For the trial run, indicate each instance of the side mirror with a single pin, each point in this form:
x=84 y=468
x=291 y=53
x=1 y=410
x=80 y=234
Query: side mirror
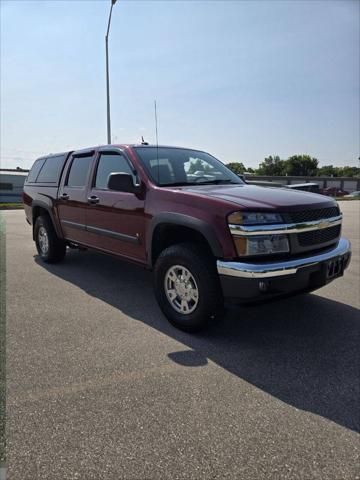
x=121 y=182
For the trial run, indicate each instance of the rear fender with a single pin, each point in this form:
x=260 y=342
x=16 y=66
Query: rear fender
x=48 y=206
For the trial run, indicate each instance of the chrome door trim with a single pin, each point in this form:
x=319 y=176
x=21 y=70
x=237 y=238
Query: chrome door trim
x=111 y=234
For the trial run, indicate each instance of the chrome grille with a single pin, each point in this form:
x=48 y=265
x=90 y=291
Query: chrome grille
x=315 y=237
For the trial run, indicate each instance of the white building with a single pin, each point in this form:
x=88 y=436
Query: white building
x=11 y=184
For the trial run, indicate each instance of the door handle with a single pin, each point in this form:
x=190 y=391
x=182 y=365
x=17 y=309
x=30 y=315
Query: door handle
x=64 y=196
x=93 y=199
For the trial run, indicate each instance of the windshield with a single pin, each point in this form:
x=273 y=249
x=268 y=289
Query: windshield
x=176 y=166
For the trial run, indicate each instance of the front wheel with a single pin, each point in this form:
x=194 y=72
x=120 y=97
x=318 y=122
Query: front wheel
x=187 y=286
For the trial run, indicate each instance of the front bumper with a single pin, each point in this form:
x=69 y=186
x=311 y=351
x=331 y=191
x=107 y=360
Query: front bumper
x=249 y=281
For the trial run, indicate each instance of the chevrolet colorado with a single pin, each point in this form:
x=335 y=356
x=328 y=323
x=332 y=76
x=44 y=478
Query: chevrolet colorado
x=182 y=213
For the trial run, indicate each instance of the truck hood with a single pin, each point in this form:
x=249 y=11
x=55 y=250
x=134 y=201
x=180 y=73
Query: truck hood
x=264 y=198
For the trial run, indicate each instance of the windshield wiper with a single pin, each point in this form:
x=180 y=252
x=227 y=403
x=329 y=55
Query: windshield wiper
x=218 y=182
x=178 y=184
x=207 y=182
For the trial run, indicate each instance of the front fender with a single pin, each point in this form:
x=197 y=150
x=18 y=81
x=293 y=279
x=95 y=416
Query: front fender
x=179 y=219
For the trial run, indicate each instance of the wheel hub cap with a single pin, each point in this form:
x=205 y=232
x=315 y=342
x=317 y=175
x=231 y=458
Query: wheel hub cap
x=43 y=240
x=181 y=289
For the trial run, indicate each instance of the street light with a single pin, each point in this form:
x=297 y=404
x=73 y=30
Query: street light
x=107 y=75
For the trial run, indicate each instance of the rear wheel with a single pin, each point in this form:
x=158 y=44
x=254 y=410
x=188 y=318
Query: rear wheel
x=187 y=286
x=49 y=246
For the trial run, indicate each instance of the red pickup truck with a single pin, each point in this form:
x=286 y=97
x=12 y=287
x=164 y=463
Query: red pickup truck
x=182 y=213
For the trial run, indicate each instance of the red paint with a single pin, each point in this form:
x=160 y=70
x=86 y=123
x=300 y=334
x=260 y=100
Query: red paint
x=131 y=214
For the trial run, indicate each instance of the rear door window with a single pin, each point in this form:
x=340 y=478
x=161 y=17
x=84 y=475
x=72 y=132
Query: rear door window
x=50 y=172
x=79 y=170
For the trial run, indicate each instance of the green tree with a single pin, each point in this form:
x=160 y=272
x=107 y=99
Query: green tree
x=327 y=171
x=272 y=166
x=237 y=167
x=348 y=171
x=196 y=165
x=301 y=165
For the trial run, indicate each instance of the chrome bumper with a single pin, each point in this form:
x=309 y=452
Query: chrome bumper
x=277 y=269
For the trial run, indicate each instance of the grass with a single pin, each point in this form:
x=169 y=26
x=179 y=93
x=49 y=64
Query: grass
x=10 y=206
x=2 y=344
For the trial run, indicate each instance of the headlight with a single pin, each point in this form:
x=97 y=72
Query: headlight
x=261 y=244
x=250 y=218
x=255 y=244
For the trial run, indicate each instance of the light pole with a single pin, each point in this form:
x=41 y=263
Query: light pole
x=107 y=75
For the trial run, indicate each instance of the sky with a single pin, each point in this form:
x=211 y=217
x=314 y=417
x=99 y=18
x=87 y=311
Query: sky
x=239 y=79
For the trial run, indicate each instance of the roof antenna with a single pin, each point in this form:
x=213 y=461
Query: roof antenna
x=157 y=141
x=143 y=141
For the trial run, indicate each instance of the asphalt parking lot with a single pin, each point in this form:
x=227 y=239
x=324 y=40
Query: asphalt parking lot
x=100 y=386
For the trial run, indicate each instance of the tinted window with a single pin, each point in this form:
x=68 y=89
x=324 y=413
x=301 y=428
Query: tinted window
x=110 y=163
x=78 y=171
x=50 y=172
x=6 y=186
x=35 y=169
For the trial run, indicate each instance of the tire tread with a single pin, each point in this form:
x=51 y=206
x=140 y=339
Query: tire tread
x=203 y=267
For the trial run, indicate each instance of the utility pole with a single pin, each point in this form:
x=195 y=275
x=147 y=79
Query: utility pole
x=107 y=75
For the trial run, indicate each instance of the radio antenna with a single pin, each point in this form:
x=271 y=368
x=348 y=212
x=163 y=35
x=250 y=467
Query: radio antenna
x=157 y=141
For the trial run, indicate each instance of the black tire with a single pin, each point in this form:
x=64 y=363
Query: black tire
x=56 y=248
x=209 y=296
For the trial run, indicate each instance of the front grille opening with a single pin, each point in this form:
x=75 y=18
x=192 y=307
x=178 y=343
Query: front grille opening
x=315 y=237
x=312 y=215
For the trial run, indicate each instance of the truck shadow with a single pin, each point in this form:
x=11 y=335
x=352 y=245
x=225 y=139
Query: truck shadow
x=302 y=350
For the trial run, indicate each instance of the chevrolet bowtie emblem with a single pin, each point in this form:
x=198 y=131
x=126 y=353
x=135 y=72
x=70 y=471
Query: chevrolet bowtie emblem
x=323 y=225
